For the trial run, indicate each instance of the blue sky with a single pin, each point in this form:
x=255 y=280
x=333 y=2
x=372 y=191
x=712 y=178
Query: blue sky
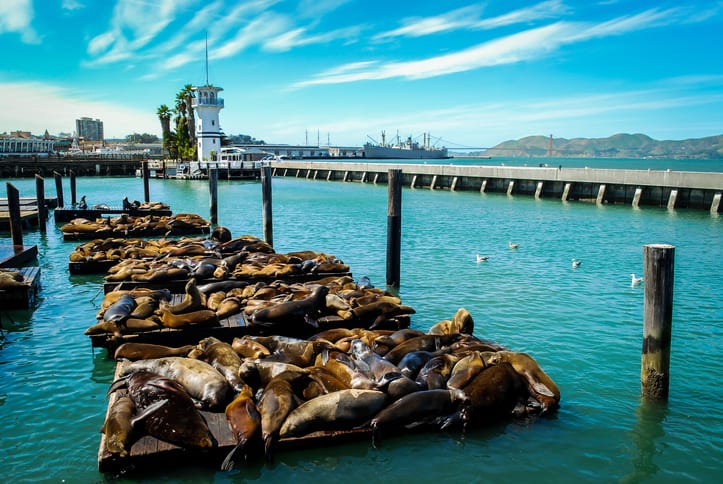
x=472 y=74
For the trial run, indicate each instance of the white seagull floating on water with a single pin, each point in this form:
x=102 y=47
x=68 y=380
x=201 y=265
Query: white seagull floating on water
x=635 y=280
x=576 y=263
x=513 y=246
x=482 y=258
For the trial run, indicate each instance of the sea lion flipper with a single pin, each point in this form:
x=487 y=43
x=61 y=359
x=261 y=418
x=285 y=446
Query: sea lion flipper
x=542 y=389
x=148 y=411
x=121 y=382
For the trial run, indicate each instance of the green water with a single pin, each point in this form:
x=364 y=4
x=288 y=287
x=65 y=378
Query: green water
x=583 y=326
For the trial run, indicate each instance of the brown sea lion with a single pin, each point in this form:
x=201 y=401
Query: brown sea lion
x=461 y=322
x=228 y=307
x=147 y=351
x=130 y=325
x=465 y=369
x=245 y=421
x=259 y=373
x=334 y=411
x=249 y=348
x=192 y=300
x=417 y=408
x=118 y=427
x=383 y=371
x=494 y=393
x=539 y=384
x=277 y=401
x=202 y=381
x=389 y=341
x=222 y=357
x=427 y=342
x=293 y=313
x=378 y=312
x=202 y=317
x=167 y=412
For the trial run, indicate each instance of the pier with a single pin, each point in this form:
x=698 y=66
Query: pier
x=671 y=189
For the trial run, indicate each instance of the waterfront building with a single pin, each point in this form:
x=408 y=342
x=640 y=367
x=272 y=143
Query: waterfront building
x=24 y=146
x=89 y=129
x=208 y=131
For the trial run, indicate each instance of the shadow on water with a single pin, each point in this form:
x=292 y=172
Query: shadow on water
x=646 y=437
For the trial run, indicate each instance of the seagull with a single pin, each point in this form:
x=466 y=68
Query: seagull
x=482 y=258
x=513 y=246
x=576 y=263
x=635 y=281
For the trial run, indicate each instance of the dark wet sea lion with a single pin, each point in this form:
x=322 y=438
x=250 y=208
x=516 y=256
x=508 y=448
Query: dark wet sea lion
x=427 y=342
x=226 y=285
x=377 y=312
x=383 y=371
x=118 y=427
x=202 y=381
x=245 y=421
x=494 y=393
x=259 y=373
x=167 y=412
x=539 y=384
x=398 y=337
x=293 y=313
x=121 y=309
x=417 y=408
x=222 y=234
x=334 y=411
x=146 y=351
x=435 y=373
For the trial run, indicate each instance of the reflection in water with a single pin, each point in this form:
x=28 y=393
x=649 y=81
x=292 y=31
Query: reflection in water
x=648 y=431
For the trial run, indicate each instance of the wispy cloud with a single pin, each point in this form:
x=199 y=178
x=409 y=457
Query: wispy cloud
x=470 y=18
x=71 y=5
x=16 y=17
x=523 y=46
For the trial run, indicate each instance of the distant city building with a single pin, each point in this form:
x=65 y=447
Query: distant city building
x=89 y=129
x=24 y=145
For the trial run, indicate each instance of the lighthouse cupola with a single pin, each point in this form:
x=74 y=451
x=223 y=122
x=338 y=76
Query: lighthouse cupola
x=208 y=132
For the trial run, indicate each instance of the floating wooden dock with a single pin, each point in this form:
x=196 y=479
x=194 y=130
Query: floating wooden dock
x=671 y=189
x=66 y=214
x=22 y=297
x=200 y=230
x=16 y=255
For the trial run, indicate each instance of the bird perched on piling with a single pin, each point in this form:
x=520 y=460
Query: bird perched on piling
x=576 y=263
x=635 y=281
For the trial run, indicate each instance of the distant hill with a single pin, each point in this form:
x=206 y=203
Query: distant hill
x=616 y=146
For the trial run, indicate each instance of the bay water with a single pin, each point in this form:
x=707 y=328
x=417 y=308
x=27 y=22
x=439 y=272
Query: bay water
x=583 y=326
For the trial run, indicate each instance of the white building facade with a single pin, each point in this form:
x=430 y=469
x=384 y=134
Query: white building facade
x=208 y=131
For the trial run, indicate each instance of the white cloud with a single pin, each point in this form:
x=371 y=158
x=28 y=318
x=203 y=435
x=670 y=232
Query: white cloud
x=56 y=109
x=16 y=16
x=71 y=5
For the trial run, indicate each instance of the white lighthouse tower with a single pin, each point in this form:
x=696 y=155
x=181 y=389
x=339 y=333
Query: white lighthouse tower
x=208 y=132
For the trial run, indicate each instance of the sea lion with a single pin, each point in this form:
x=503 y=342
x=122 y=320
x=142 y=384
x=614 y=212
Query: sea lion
x=334 y=411
x=167 y=412
x=436 y=371
x=228 y=307
x=417 y=408
x=121 y=309
x=378 y=312
x=382 y=344
x=222 y=357
x=465 y=369
x=277 y=401
x=245 y=421
x=259 y=372
x=461 y=322
x=130 y=325
x=192 y=300
x=344 y=370
x=201 y=317
x=293 y=313
x=383 y=371
x=539 y=384
x=427 y=342
x=147 y=351
x=249 y=348
x=221 y=234
x=12 y=279
x=201 y=380
x=494 y=393
x=118 y=427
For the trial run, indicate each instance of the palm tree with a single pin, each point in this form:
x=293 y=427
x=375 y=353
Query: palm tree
x=164 y=115
x=187 y=92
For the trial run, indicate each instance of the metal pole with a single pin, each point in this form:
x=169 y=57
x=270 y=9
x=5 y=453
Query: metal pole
x=658 y=276
x=394 y=227
x=267 y=206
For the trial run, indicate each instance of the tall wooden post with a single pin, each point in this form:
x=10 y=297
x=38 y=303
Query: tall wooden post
x=72 y=188
x=267 y=206
x=146 y=176
x=213 y=192
x=59 y=188
x=394 y=227
x=16 y=223
x=658 y=265
x=42 y=209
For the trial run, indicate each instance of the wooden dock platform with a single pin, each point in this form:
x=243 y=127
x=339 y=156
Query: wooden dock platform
x=200 y=230
x=66 y=214
x=22 y=296
x=16 y=256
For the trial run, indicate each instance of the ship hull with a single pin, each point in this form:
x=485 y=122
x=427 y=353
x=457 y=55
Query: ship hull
x=385 y=152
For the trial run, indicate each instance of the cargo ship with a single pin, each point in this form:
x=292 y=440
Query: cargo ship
x=407 y=149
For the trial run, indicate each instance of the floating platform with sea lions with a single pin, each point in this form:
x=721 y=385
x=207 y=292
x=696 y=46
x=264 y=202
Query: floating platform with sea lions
x=127 y=225
x=135 y=208
x=19 y=287
x=219 y=402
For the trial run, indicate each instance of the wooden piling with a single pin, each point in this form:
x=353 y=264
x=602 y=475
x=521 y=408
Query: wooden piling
x=213 y=192
x=73 y=197
x=16 y=222
x=59 y=188
x=42 y=209
x=146 y=176
x=658 y=260
x=394 y=226
x=267 y=206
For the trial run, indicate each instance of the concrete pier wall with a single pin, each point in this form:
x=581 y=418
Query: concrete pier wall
x=694 y=189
